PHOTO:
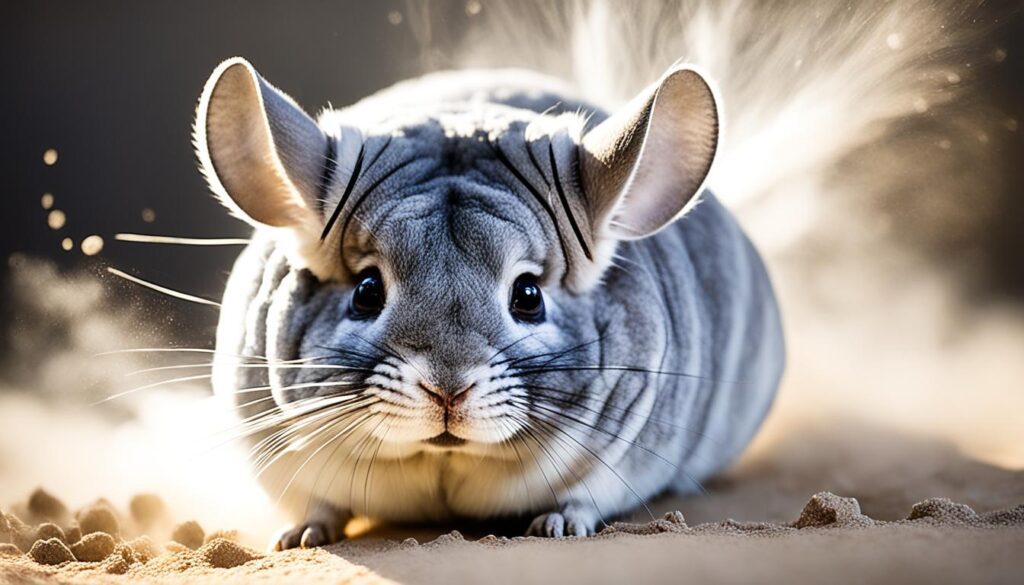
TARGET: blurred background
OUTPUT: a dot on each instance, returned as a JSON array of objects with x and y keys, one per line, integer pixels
[{"x": 872, "y": 149}]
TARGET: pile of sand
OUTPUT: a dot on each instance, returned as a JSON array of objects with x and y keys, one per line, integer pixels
[
  {"x": 45, "y": 543},
  {"x": 41, "y": 541}
]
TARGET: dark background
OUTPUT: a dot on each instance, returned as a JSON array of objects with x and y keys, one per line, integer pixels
[{"x": 112, "y": 86}]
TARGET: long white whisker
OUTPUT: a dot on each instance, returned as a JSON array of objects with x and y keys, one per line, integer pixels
[
  {"x": 314, "y": 454},
  {"x": 153, "y": 385},
  {"x": 150, "y": 239},
  {"x": 284, "y": 365},
  {"x": 162, "y": 289},
  {"x": 275, "y": 446}
]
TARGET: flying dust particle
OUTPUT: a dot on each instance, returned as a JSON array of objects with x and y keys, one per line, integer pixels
[
  {"x": 953, "y": 78},
  {"x": 945, "y": 144},
  {"x": 982, "y": 137},
  {"x": 473, "y": 7},
  {"x": 148, "y": 215},
  {"x": 894, "y": 41},
  {"x": 50, "y": 157},
  {"x": 1011, "y": 124},
  {"x": 920, "y": 105},
  {"x": 47, "y": 200},
  {"x": 66, "y": 244},
  {"x": 92, "y": 245},
  {"x": 999, "y": 55},
  {"x": 395, "y": 17},
  {"x": 56, "y": 219}
]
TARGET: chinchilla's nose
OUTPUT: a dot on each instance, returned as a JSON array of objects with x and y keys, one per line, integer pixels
[{"x": 447, "y": 397}]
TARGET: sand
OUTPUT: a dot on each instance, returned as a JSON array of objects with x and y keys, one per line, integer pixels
[
  {"x": 831, "y": 537},
  {"x": 107, "y": 546}
]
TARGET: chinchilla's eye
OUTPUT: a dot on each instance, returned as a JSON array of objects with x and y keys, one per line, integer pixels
[
  {"x": 527, "y": 301},
  {"x": 368, "y": 296}
]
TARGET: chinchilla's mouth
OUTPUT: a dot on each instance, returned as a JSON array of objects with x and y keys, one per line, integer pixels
[{"x": 445, "y": 439}]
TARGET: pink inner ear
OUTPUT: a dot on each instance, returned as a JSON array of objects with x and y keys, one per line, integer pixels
[
  {"x": 678, "y": 149},
  {"x": 258, "y": 149},
  {"x": 654, "y": 155}
]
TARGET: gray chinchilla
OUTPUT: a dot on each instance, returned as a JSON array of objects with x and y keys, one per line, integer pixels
[{"x": 474, "y": 295}]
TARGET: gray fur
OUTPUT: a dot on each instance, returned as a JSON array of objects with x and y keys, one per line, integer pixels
[{"x": 450, "y": 227}]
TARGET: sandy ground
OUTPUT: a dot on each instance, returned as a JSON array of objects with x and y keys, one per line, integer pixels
[{"x": 781, "y": 533}]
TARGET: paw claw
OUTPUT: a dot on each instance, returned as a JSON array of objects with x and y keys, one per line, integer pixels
[
  {"x": 559, "y": 525},
  {"x": 307, "y": 535}
]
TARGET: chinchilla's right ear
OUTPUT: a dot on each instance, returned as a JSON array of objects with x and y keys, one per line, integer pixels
[
  {"x": 262, "y": 155},
  {"x": 645, "y": 165}
]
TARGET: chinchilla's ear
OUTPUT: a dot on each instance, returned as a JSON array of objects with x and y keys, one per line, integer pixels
[
  {"x": 643, "y": 166},
  {"x": 262, "y": 155}
]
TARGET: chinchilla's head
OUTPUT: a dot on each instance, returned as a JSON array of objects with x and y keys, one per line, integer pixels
[{"x": 444, "y": 262}]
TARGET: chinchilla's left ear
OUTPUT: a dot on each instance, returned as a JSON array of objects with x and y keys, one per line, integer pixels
[
  {"x": 643, "y": 167},
  {"x": 262, "y": 155}
]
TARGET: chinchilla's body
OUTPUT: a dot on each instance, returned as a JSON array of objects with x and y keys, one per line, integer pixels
[{"x": 474, "y": 295}]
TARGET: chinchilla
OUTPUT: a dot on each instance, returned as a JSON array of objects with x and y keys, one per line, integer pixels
[{"x": 474, "y": 295}]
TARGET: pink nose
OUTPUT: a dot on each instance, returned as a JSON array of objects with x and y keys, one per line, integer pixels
[{"x": 445, "y": 398}]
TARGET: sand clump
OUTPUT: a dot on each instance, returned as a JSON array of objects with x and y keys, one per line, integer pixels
[
  {"x": 145, "y": 549},
  {"x": 94, "y": 547},
  {"x": 943, "y": 510},
  {"x": 99, "y": 518},
  {"x": 50, "y": 552},
  {"x": 43, "y": 505},
  {"x": 826, "y": 509},
  {"x": 48, "y": 530},
  {"x": 224, "y": 554},
  {"x": 147, "y": 510},
  {"x": 189, "y": 534},
  {"x": 9, "y": 550}
]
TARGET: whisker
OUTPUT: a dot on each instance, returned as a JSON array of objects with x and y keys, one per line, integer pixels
[
  {"x": 314, "y": 454},
  {"x": 153, "y": 385},
  {"x": 369, "y": 471},
  {"x": 568, "y": 399},
  {"x": 555, "y": 428},
  {"x": 580, "y": 479},
  {"x": 633, "y": 369},
  {"x": 162, "y": 289},
  {"x": 151, "y": 239},
  {"x": 369, "y": 191},
  {"x": 522, "y": 466},
  {"x": 297, "y": 386},
  {"x": 362, "y": 446},
  {"x": 556, "y": 354},
  {"x": 507, "y": 163},
  {"x": 527, "y": 432},
  {"x": 508, "y": 347},
  {"x": 178, "y": 350},
  {"x": 584, "y": 424},
  {"x": 286, "y": 364}
]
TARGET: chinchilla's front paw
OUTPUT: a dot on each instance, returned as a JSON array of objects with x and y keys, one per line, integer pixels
[
  {"x": 571, "y": 521},
  {"x": 308, "y": 535},
  {"x": 320, "y": 530}
]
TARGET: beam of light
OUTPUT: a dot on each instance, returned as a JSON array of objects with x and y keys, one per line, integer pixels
[
  {"x": 161, "y": 289},
  {"x": 149, "y": 239}
]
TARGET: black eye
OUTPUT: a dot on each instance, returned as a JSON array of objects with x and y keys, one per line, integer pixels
[
  {"x": 527, "y": 301},
  {"x": 368, "y": 296}
]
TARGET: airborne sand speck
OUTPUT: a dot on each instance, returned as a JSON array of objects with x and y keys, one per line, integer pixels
[
  {"x": 56, "y": 219},
  {"x": 92, "y": 245}
]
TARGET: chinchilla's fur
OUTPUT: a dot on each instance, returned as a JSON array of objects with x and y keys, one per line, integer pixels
[{"x": 657, "y": 356}]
